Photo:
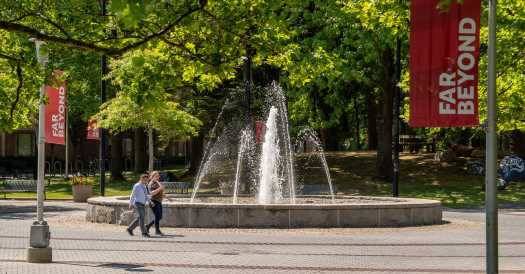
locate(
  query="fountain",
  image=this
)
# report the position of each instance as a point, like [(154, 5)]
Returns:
[(268, 199), (270, 185)]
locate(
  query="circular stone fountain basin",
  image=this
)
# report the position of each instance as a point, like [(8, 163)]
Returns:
[(308, 211)]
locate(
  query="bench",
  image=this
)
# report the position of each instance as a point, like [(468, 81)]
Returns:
[(20, 185), (176, 187), (413, 143), (315, 189)]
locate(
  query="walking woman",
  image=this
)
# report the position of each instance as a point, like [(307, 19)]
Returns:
[(156, 190)]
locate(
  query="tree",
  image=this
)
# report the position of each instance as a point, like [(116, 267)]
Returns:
[(143, 103), (333, 57)]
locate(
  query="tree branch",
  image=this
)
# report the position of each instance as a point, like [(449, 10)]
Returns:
[(90, 46), (166, 30), (193, 55), (54, 24), (69, 42), (7, 57)]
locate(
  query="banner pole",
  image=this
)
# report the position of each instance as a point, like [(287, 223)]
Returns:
[(491, 202), (66, 169)]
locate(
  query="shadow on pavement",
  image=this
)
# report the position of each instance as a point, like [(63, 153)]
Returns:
[(167, 236), (482, 210), (26, 215), (4, 209), (126, 267)]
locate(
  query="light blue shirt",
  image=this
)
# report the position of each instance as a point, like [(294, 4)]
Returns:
[(139, 194)]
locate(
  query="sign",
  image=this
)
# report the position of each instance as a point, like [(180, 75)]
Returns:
[(260, 129), (56, 111), (444, 50), (93, 133)]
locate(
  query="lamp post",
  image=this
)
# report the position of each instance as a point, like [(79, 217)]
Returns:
[(39, 250)]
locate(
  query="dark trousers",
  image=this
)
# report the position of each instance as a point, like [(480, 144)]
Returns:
[(139, 220), (157, 211)]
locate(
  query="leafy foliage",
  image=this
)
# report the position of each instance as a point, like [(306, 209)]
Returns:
[(175, 56)]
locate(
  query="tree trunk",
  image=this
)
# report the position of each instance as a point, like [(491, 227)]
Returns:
[(357, 125), (116, 166), (330, 139), (197, 147), (151, 150), (384, 154), (140, 151), (372, 122)]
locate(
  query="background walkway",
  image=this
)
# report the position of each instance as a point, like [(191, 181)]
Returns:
[(80, 247)]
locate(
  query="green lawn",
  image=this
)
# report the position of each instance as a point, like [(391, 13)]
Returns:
[(353, 173), (420, 177), (60, 189)]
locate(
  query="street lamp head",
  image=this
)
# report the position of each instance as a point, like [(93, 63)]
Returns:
[(41, 55)]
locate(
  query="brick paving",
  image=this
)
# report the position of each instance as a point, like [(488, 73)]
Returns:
[(80, 247)]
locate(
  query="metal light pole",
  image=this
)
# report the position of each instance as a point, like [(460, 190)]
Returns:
[(39, 250), (491, 200)]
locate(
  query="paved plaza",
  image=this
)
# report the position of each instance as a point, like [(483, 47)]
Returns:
[(81, 247)]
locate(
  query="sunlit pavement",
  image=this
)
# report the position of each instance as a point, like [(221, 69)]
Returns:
[(80, 247)]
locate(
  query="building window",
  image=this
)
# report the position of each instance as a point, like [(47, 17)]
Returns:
[(24, 144)]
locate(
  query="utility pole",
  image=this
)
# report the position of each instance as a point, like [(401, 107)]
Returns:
[(491, 200), (103, 135), (39, 250)]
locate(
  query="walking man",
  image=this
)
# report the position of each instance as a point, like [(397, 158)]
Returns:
[(139, 200)]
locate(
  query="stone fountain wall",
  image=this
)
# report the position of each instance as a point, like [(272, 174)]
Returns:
[(380, 212)]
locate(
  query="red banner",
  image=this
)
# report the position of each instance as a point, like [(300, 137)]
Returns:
[(444, 50), (56, 111), (260, 129), (93, 133)]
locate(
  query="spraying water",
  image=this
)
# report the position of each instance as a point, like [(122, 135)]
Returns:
[(281, 102), (202, 171), (244, 154), (269, 184), (205, 159), (310, 136)]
